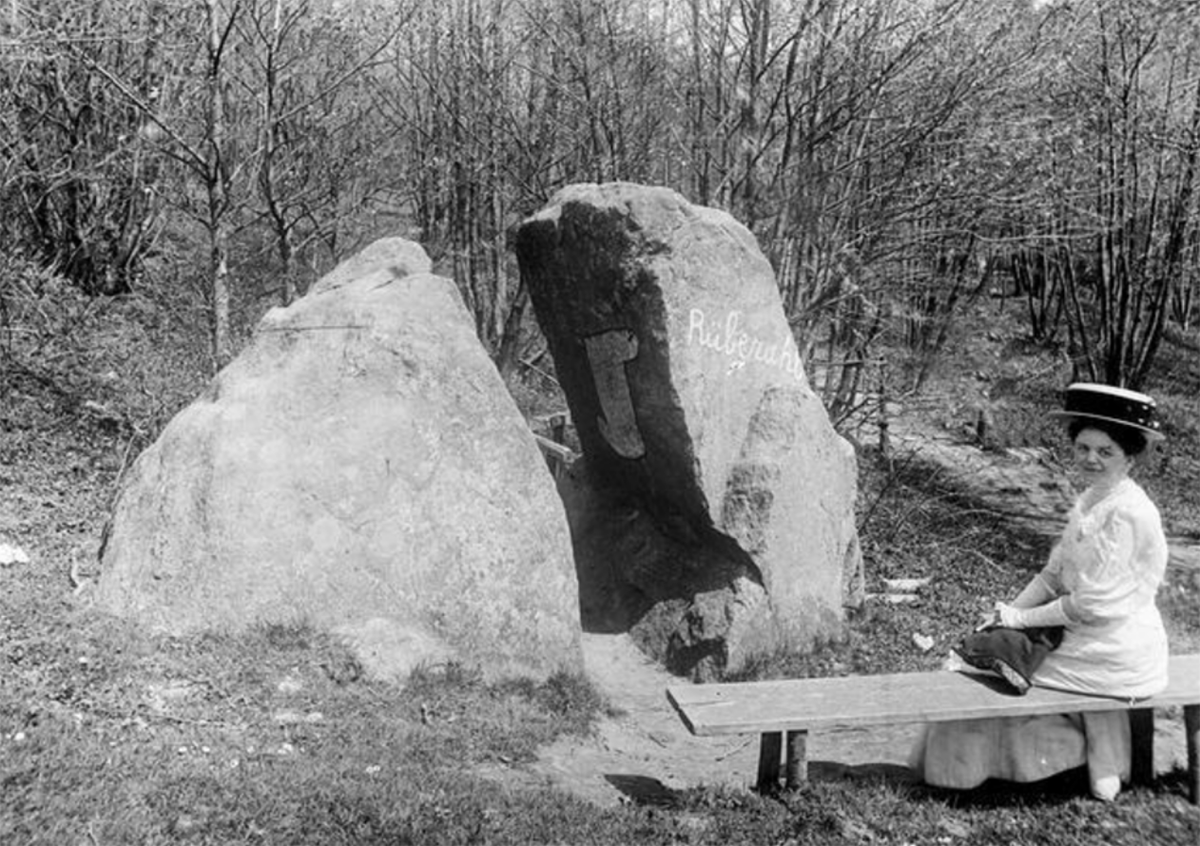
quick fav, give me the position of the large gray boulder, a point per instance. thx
(713, 513)
(360, 466)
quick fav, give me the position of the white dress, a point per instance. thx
(1110, 560)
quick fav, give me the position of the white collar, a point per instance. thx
(1097, 494)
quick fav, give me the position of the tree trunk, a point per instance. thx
(218, 195)
(222, 346)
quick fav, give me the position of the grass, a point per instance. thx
(110, 735)
(115, 737)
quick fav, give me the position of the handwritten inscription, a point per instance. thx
(729, 338)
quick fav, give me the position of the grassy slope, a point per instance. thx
(108, 735)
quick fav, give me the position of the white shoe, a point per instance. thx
(1106, 788)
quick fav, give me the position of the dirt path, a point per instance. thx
(645, 753)
(1022, 484)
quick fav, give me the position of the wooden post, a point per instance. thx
(768, 762)
(1191, 728)
(796, 770)
(1141, 731)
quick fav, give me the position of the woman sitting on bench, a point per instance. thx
(1099, 585)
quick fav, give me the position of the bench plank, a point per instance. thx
(844, 702)
(796, 706)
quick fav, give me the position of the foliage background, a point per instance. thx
(895, 158)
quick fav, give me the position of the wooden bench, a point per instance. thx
(794, 707)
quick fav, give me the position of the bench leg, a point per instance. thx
(1141, 731)
(768, 762)
(1191, 726)
(796, 772)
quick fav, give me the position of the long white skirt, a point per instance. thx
(965, 753)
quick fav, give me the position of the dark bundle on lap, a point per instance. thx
(1013, 654)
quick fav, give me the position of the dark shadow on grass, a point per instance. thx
(992, 794)
(643, 790)
(1057, 790)
(896, 775)
(1051, 792)
(1173, 782)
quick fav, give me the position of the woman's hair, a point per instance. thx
(1131, 441)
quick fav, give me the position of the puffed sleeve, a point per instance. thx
(1052, 573)
(1125, 558)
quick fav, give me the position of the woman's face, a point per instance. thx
(1099, 459)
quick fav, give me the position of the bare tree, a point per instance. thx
(1110, 224)
(316, 142)
(829, 128)
(888, 154)
(76, 179)
(188, 119)
(501, 102)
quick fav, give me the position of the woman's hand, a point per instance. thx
(1008, 616)
(1051, 614)
(989, 619)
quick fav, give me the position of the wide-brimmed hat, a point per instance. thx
(1091, 401)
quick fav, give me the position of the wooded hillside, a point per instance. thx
(895, 158)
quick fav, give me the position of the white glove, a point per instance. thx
(1051, 614)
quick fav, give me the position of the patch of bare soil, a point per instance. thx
(644, 753)
(1025, 484)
